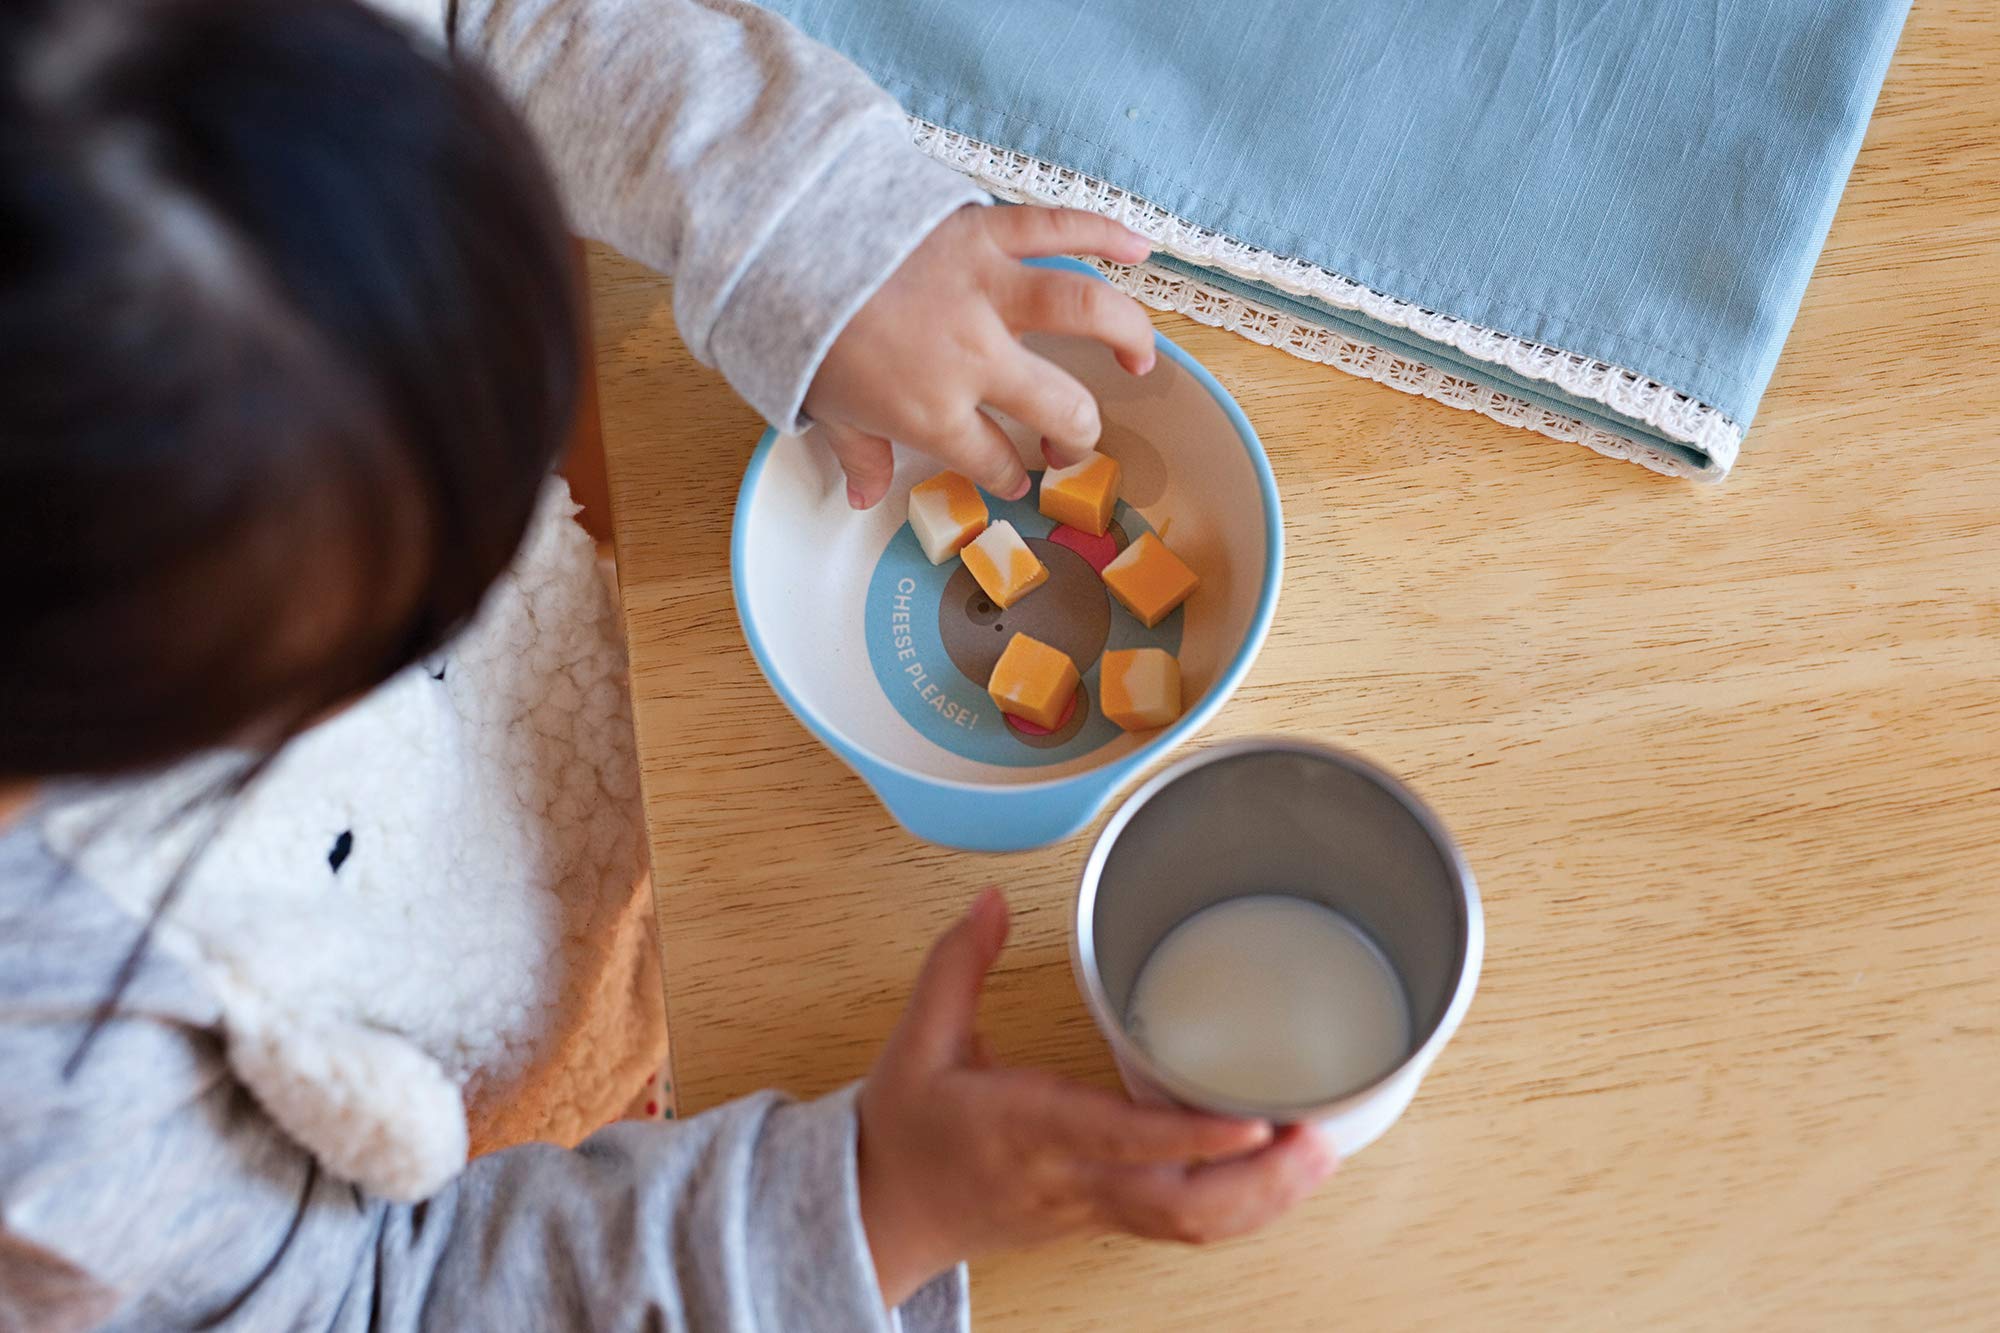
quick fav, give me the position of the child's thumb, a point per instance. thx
(938, 1029)
(868, 460)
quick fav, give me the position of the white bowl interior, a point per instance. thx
(886, 650)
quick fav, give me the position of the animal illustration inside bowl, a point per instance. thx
(887, 657)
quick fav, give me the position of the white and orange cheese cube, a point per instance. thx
(1033, 681)
(946, 512)
(1084, 496)
(1006, 569)
(1149, 580)
(1140, 688)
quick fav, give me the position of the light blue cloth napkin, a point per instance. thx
(1592, 219)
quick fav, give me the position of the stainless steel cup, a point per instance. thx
(1281, 816)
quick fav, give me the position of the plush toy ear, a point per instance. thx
(371, 1106)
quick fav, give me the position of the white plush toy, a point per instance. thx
(428, 922)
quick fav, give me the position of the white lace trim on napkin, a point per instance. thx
(1018, 177)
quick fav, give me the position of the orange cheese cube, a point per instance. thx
(946, 512)
(1149, 580)
(1140, 688)
(1006, 569)
(1033, 681)
(1084, 496)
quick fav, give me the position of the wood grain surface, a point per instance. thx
(1726, 760)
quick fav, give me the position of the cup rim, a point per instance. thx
(1469, 942)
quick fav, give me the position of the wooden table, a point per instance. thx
(1724, 758)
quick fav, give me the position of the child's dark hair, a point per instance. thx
(287, 346)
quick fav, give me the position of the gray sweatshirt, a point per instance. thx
(713, 141)
(150, 1192)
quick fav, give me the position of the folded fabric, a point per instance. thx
(1593, 220)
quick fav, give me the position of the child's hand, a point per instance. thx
(941, 337)
(959, 1157)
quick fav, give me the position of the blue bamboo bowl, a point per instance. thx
(884, 656)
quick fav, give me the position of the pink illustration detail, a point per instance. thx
(1098, 551)
(1021, 724)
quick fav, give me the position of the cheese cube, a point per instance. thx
(1033, 681)
(1084, 496)
(1140, 688)
(1006, 569)
(1149, 580)
(946, 512)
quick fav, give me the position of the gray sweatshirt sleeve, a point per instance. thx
(713, 141)
(149, 1191)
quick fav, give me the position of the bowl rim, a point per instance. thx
(859, 756)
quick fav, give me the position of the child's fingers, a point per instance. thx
(1101, 1126)
(937, 1028)
(1075, 306)
(983, 1056)
(1028, 232)
(982, 451)
(1225, 1199)
(868, 460)
(1042, 395)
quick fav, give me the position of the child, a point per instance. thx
(287, 351)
